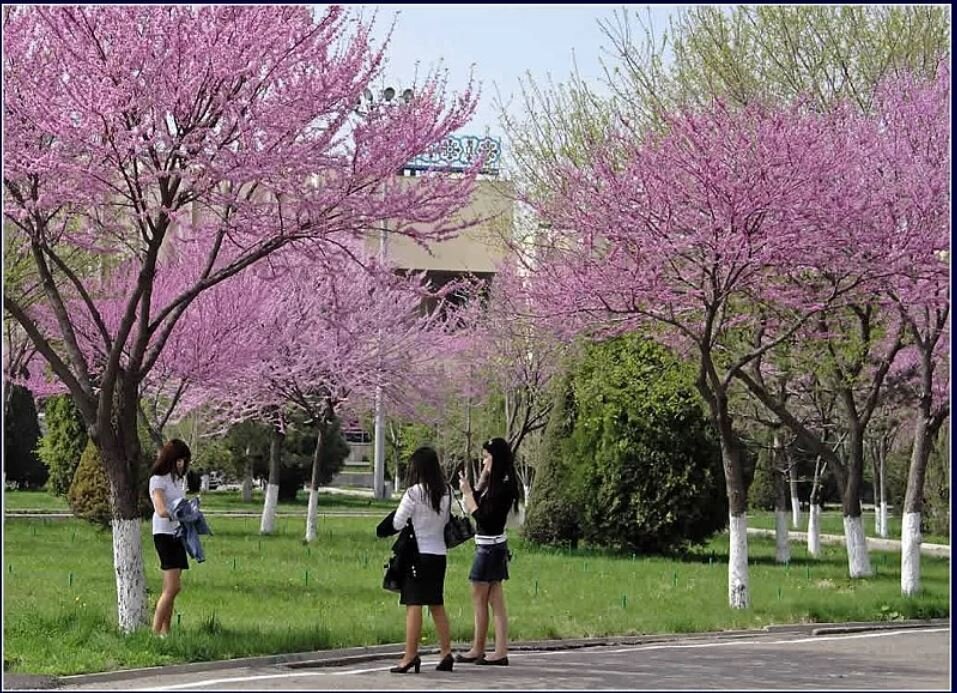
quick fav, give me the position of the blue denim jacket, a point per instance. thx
(192, 523)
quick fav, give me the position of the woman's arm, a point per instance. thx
(159, 502)
(404, 511)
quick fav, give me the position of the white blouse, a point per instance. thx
(429, 525)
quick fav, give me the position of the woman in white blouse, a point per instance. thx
(426, 502)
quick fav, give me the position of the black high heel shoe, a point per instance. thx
(446, 663)
(503, 662)
(417, 663)
(466, 659)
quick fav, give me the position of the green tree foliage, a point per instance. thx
(21, 431)
(63, 443)
(403, 439)
(769, 53)
(761, 493)
(249, 440)
(553, 515)
(651, 470)
(936, 515)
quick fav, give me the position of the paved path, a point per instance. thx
(889, 659)
(874, 544)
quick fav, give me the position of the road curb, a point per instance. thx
(358, 655)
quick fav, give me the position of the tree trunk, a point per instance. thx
(883, 488)
(472, 472)
(877, 490)
(859, 562)
(814, 510)
(119, 448)
(248, 482)
(739, 596)
(782, 553)
(795, 498)
(268, 524)
(527, 494)
(814, 530)
(914, 505)
(311, 510)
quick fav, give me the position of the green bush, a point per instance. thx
(552, 516)
(651, 471)
(21, 431)
(65, 439)
(89, 494)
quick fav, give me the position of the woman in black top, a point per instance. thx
(495, 494)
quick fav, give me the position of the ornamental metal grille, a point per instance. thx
(458, 153)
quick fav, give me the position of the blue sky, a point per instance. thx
(503, 42)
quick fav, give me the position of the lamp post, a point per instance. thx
(386, 96)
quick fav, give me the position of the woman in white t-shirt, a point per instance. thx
(426, 502)
(170, 467)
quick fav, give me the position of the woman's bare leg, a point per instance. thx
(496, 598)
(413, 631)
(441, 620)
(164, 605)
(480, 606)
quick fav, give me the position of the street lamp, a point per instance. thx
(386, 96)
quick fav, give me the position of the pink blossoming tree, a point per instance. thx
(723, 238)
(128, 129)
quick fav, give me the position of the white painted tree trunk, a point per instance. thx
(527, 490)
(910, 554)
(782, 553)
(131, 599)
(814, 531)
(795, 499)
(312, 514)
(738, 592)
(859, 562)
(883, 515)
(268, 524)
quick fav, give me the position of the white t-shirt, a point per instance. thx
(429, 525)
(171, 490)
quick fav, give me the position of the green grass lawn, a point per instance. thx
(216, 501)
(263, 595)
(832, 522)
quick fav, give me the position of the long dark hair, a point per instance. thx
(424, 468)
(166, 459)
(503, 476)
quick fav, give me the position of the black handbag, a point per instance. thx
(392, 580)
(459, 527)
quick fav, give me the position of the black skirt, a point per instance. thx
(172, 553)
(490, 564)
(426, 585)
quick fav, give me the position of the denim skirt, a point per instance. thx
(490, 563)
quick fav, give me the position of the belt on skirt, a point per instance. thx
(484, 540)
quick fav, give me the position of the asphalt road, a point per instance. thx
(914, 658)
